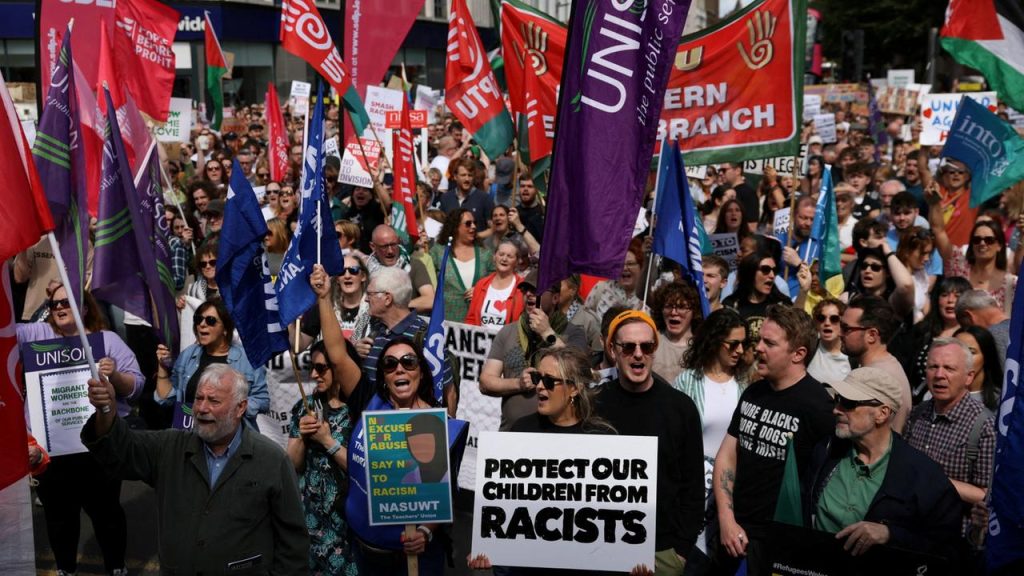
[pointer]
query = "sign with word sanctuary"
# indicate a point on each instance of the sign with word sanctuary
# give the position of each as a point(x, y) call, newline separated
point(566, 500)
point(56, 382)
point(735, 92)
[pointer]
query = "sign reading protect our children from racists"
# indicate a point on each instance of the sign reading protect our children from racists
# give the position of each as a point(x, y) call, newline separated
point(407, 466)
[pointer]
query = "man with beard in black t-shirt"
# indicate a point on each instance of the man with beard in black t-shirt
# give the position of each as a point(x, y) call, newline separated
point(750, 463)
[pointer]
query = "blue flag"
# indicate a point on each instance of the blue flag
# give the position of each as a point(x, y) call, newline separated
point(433, 346)
point(823, 244)
point(293, 290)
point(990, 147)
point(243, 274)
point(679, 233)
point(125, 270)
point(1006, 507)
point(60, 161)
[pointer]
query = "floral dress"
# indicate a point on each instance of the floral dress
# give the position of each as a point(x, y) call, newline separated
point(324, 487)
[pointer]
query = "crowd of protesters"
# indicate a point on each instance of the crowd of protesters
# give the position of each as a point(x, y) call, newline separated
point(899, 373)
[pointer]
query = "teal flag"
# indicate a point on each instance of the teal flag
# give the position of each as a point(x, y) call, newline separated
point(990, 147)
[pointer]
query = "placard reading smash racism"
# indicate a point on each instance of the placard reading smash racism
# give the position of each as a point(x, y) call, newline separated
point(407, 466)
point(566, 500)
point(56, 381)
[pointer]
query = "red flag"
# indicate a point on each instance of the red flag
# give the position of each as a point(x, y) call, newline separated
point(541, 108)
point(405, 179)
point(13, 436)
point(92, 138)
point(144, 33)
point(277, 136)
point(133, 127)
point(25, 215)
point(304, 34)
point(106, 73)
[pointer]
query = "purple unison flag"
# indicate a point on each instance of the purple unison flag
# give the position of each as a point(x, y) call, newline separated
point(124, 267)
point(60, 161)
point(617, 64)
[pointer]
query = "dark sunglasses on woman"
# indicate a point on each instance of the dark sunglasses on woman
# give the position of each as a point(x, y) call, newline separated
point(390, 363)
point(210, 321)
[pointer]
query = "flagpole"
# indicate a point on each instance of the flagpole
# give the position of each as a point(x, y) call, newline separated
point(75, 311)
point(295, 367)
point(174, 194)
point(654, 222)
point(792, 208)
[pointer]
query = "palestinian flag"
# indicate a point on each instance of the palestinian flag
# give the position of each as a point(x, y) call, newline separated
point(988, 35)
point(216, 68)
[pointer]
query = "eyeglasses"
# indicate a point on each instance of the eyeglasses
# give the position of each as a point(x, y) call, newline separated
point(678, 307)
point(834, 318)
point(353, 270)
point(847, 405)
point(58, 304)
point(766, 270)
point(319, 368)
point(549, 382)
point(956, 171)
point(732, 345)
point(214, 168)
point(629, 348)
point(390, 363)
point(376, 292)
point(987, 240)
point(207, 263)
point(843, 327)
point(287, 192)
point(390, 246)
point(210, 321)
point(874, 267)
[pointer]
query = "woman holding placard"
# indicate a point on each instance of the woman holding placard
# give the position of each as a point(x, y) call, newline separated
point(564, 401)
point(75, 482)
point(317, 448)
point(403, 382)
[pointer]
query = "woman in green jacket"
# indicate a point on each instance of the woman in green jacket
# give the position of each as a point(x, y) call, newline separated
point(468, 263)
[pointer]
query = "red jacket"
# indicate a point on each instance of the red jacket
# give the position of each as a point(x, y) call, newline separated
point(514, 304)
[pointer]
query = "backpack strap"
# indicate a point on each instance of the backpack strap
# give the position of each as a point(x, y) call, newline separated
point(974, 442)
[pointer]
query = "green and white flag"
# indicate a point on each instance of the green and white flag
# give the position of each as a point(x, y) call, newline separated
point(989, 35)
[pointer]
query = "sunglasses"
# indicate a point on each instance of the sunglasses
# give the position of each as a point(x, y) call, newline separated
point(766, 270)
point(986, 240)
point(58, 304)
point(212, 168)
point(834, 318)
point(353, 270)
point(208, 264)
point(263, 174)
point(287, 192)
point(629, 348)
point(548, 382)
point(732, 345)
point(874, 267)
point(679, 307)
point(847, 405)
point(953, 171)
point(210, 321)
point(469, 224)
point(843, 327)
point(390, 363)
point(319, 368)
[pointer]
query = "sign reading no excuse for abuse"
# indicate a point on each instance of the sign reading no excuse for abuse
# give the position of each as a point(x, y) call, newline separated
point(407, 466)
point(565, 500)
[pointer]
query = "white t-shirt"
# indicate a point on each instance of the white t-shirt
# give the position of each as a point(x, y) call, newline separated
point(494, 309)
point(466, 271)
point(720, 400)
point(827, 367)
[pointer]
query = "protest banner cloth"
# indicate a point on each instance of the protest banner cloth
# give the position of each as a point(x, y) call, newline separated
point(178, 127)
point(277, 135)
point(986, 35)
point(298, 98)
point(615, 85)
point(417, 119)
point(990, 147)
point(90, 18)
point(736, 88)
point(938, 111)
point(577, 501)
point(216, 68)
point(407, 471)
point(57, 390)
point(380, 101)
point(144, 32)
point(727, 246)
point(284, 393)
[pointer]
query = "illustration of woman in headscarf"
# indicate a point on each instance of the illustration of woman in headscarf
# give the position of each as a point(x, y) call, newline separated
point(429, 450)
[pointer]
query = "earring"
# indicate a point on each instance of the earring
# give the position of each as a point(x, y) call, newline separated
point(572, 399)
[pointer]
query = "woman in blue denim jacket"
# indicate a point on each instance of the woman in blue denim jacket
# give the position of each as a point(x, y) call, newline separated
point(214, 330)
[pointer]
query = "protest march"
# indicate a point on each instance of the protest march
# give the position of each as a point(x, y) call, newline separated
point(516, 287)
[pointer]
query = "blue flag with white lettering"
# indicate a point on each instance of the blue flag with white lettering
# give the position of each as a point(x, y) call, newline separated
point(243, 274)
point(990, 147)
point(679, 233)
point(315, 225)
point(433, 345)
point(1006, 507)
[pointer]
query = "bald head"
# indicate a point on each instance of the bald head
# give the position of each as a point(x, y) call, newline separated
point(384, 243)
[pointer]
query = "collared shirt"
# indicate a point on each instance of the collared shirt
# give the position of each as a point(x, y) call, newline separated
point(407, 327)
point(179, 261)
point(849, 492)
point(216, 464)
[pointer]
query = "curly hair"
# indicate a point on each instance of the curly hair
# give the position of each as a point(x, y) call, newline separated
point(451, 225)
point(709, 338)
point(677, 293)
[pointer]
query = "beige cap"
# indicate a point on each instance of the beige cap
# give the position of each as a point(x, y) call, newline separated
point(869, 383)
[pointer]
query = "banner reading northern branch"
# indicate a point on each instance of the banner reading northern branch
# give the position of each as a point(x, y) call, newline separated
point(618, 59)
point(735, 89)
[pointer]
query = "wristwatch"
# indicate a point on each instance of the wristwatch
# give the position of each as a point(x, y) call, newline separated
point(551, 339)
point(426, 532)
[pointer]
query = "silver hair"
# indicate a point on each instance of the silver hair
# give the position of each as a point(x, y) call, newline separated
point(396, 282)
point(900, 187)
point(221, 374)
point(975, 300)
point(950, 341)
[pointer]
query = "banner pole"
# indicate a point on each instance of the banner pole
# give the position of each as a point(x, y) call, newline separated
point(792, 208)
point(295, 367)
point(412, 560)
point(654, 222)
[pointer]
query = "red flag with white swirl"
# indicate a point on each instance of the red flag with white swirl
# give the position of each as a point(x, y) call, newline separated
point(304, 34)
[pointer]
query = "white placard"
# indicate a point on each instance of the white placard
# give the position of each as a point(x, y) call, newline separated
point(529, 484)
point(812, 106)
point(426, 99)
point(696, 172)
point(354, 165)
point(433, 227)
point(471, 345)
point(825, 126)
point(899, 78)
point(938, 111)
point(178, 127)
point(284, 393)
point(298, 98)
point(726, 245)
point(781, 225)
point(29, 128)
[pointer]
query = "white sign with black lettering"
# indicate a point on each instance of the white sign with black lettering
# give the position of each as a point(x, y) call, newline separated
point(727, 246)
point(577, 501)
point(781, 225)
point(825, 126)
point(284, 394)
point(471, 345)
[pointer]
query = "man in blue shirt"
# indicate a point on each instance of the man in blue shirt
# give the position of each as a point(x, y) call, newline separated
point(464, 195)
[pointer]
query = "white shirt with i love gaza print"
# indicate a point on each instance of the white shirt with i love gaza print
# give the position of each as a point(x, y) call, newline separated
point(495, 307)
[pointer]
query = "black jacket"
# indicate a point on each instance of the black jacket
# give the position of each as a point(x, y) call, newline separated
point(916, 500)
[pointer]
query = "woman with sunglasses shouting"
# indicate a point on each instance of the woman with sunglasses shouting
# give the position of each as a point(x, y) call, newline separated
point(76, 482)
point(984, 262)
point(403, 381)
point(176, 385)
